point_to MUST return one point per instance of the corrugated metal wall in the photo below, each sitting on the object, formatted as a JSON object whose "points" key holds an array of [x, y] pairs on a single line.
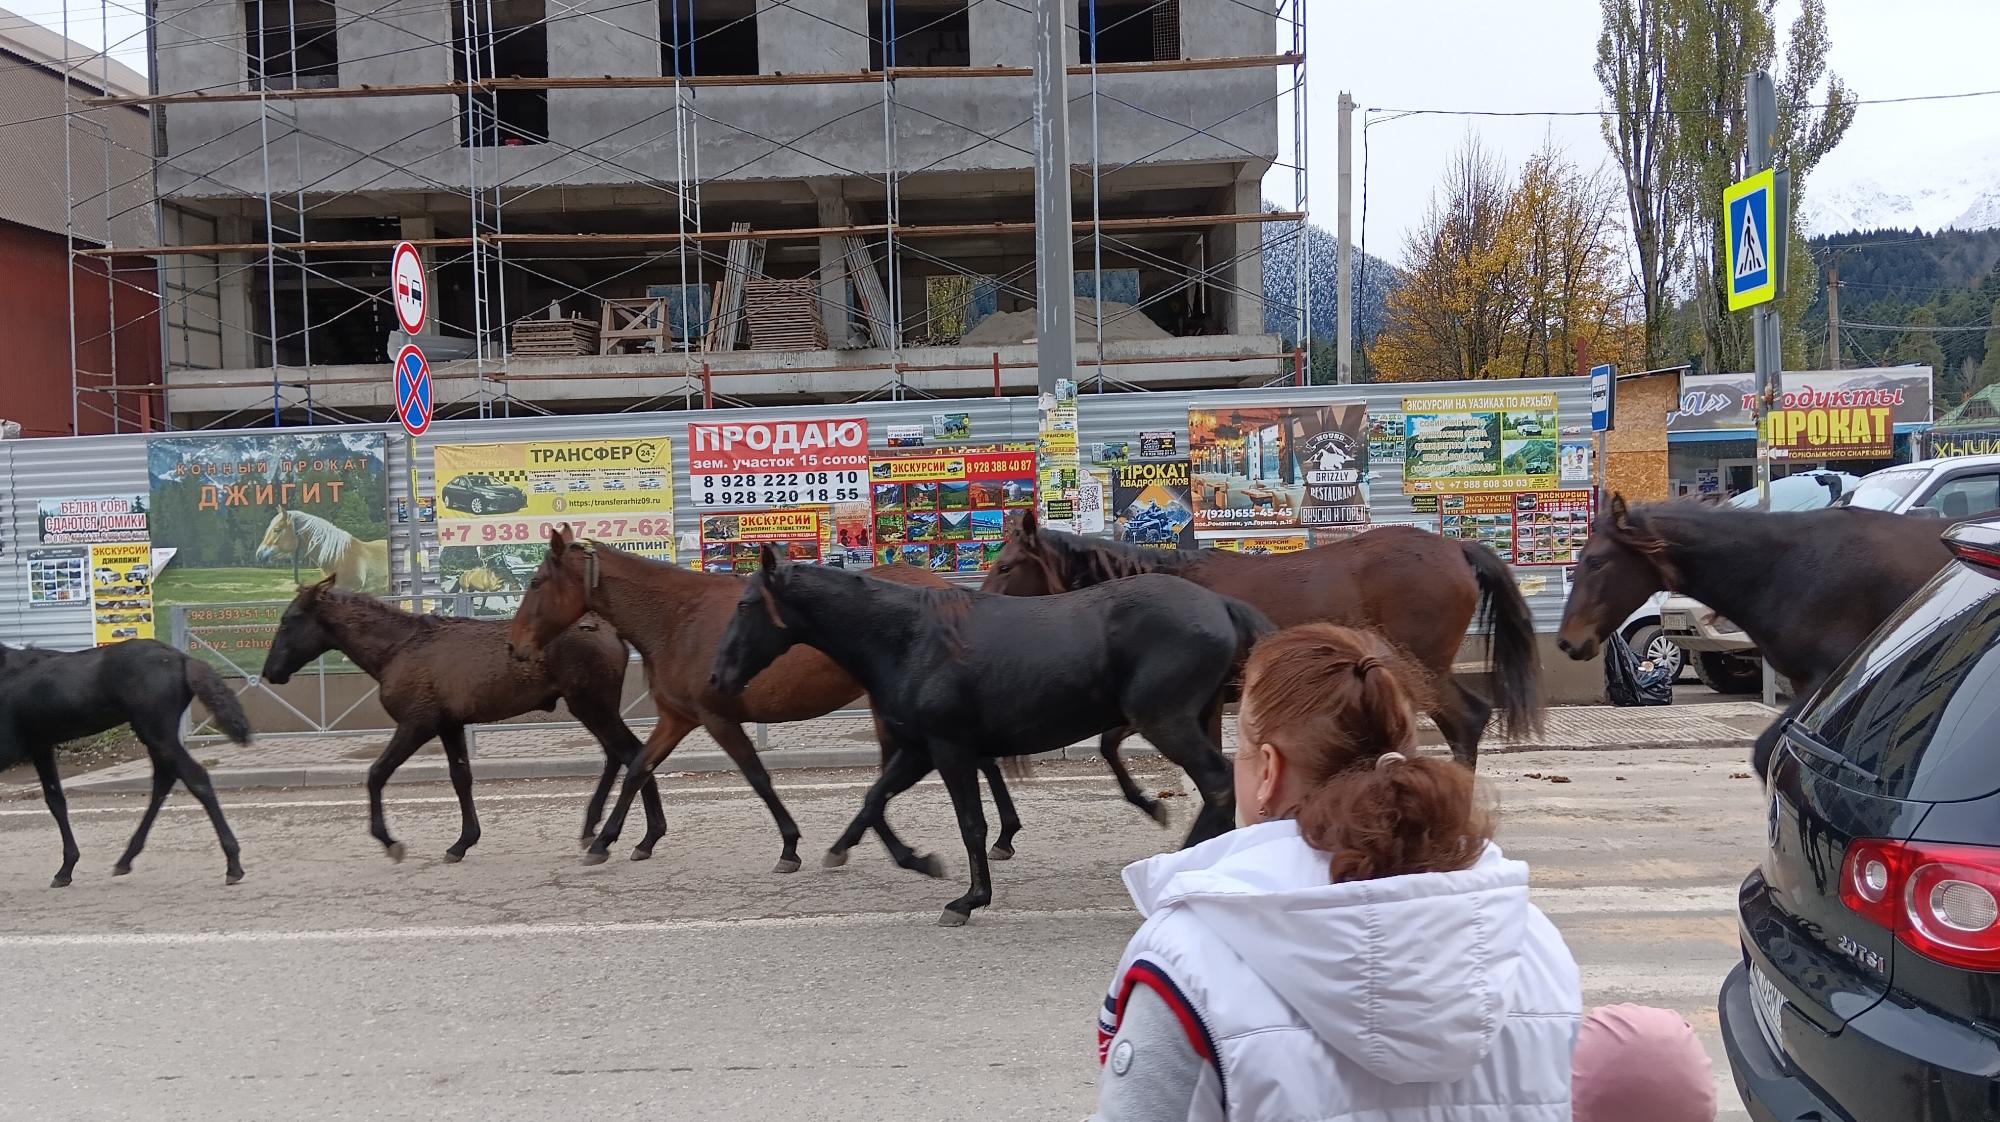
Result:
{"points": [[59, 468]]}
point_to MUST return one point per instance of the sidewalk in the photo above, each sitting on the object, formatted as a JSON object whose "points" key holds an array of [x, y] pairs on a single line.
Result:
{"points": [[507, 752]]}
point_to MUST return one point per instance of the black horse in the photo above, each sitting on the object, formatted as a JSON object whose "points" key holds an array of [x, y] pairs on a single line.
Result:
{"points": [[48, 697], [958, 676], [1806, 587]]}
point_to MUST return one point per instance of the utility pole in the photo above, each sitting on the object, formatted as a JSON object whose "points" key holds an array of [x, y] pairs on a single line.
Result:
{"points": [[1760, 100], [1055, 284], [1343, 256], [1833, 312]]}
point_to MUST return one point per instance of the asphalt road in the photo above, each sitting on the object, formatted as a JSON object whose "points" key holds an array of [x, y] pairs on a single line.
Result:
{"points": [[522, 985]]}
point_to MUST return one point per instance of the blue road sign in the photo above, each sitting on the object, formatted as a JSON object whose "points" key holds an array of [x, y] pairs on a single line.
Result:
{"points": [[413, 390], [1748, 252], [1603, 385]]}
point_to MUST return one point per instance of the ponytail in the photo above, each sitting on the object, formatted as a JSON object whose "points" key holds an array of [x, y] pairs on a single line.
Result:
{"points": [[1341, 705]]}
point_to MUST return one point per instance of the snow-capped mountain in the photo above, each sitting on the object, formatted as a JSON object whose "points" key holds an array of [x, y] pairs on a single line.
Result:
{"points": [[1967, 198]]}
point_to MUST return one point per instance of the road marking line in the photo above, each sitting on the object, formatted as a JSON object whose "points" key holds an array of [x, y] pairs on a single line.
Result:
{"points": [[1554, 901]]}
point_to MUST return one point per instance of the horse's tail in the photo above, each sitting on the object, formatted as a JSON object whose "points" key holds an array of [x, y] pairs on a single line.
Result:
{"points": [[1251, 625], [220, 699], [1017, 767], [1510, 642]]}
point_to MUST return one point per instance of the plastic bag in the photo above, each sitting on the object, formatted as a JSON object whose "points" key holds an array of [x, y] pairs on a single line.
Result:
{"points": [[1629, 681]]}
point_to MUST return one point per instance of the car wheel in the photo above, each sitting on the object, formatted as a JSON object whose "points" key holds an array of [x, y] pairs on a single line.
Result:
{"points": [[1728, 673], [1651, 642], [478, 506]]}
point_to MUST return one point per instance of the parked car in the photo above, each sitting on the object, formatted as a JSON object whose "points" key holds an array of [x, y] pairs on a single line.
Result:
{"points": [[482, 494], [1952, 489], [1722, 656], [1870, 931], [649, 483], [614, 484]]}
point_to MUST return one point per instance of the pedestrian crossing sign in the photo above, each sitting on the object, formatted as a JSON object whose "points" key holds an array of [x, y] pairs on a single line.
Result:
{"points": [[1747, 232]]}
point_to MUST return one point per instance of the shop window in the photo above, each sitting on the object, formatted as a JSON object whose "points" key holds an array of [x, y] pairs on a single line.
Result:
{"points": [[291, 44], [512, 43], [926, 32], [708, 37], [1141, 31]]}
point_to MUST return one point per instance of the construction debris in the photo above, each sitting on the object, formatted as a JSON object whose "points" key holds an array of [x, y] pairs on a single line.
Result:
{"points": [[558, 336], [1122, 323], [783, 315]]}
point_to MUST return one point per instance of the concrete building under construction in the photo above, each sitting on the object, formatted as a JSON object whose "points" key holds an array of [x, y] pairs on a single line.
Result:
{"points": [[645, 205]]}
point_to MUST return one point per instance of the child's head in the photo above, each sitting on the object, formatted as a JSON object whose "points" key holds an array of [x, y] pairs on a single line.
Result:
{"points": [[1327, 734]]}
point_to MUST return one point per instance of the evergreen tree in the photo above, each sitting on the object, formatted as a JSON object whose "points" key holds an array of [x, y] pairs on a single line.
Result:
{"points": [[1989, 370]]}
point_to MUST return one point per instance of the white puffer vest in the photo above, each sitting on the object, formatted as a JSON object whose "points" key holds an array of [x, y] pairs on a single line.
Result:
{"points": [[1439, 996]]}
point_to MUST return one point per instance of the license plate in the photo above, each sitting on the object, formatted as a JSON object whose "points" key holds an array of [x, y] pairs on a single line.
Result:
{"points": [[1770, 1007]]}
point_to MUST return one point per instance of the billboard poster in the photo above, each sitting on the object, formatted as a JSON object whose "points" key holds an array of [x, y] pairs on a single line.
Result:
{"points": [[1059, 461], [1848, 414], [1385, 438], [1150, 505], [736, 464], [731, 543], [1466, 443], [56, 577], [618, 491], [848, 536], [1962, 442], [1524, 528], [1576, 461], [121, 592], [1279, 467], [947, 509], [101, 518], [1262, 545]]}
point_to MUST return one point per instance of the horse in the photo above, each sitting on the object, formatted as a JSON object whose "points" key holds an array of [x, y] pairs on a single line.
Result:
{"points": [[1806, 587], [1416, 589], [439, 675], [49, 697], [675, 618], [312, 540], [481, 579], [958, 676]]}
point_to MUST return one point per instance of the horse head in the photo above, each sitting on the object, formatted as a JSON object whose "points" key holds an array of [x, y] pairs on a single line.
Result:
{"points": [[302, 634], [759, 630], [1028, 564], [281, 538], [1622, 564], [557, 596]]}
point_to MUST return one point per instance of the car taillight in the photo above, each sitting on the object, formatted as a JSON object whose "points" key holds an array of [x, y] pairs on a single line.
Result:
{"points": [[1976, 554], [1942, 901]]}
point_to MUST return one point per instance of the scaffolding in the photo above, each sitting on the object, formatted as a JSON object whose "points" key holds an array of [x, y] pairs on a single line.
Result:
{"points": [[277, 196]]}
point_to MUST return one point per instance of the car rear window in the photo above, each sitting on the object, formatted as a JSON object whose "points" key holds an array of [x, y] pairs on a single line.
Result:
{"points": [[1918, 707]]}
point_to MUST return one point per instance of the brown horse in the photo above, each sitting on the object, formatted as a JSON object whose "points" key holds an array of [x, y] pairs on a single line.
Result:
{"points": [[1806, 587], [1416, 589], [439, 675], [675, 618]]}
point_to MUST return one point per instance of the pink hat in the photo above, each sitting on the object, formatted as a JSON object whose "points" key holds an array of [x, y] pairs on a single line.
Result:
{"points": [[1639, 1064]]}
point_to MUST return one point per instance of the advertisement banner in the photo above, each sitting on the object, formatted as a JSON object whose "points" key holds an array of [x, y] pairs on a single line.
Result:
{"points": [[121, 592], [1150, 505], [1058, 462], [56, 577], [847, 539], [1279, 467], [947, 509], [1385, 439], [777, 463], [103, 518], [1576, 461], [1465, 443], [1262, 544], [251, 517], [1524, 528], [1831, 413], [731, 543], [1962, 442]]}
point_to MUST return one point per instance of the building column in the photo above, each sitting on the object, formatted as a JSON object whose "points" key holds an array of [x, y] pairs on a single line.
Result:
{"points": [[833, 280], [236, 304], [1236, 251]]}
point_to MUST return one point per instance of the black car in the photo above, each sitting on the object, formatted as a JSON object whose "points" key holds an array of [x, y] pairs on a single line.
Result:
{"points": [[480, 494], [1870, 986]]}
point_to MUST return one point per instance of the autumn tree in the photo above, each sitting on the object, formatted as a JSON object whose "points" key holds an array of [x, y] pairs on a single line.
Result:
{"points": [[1989, 368]]}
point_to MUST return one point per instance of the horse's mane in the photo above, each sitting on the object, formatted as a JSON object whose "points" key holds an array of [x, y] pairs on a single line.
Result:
{"points": [[322, 539], [1641, 533], [1087, 561], [379, 610]]}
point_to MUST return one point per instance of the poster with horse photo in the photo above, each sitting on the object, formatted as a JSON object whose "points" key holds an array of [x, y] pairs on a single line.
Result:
{"points": [[1268, 467], [251, 517]]}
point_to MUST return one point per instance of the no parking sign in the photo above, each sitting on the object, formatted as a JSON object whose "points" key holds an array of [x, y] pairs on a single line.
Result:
{"points": [[413, 390]]}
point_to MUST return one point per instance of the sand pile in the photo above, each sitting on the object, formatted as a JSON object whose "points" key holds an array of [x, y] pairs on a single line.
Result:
{"points": [[1122, 323]]}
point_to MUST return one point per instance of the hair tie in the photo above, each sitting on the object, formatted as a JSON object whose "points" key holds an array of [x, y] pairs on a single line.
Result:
{"points": [[1364, 665], [1387, 758]]}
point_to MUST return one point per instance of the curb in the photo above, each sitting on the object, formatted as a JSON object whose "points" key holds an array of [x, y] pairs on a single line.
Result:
{"points": [[580, 766]]}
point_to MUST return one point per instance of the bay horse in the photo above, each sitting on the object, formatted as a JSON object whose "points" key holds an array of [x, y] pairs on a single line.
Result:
{"points": [[309, 539], [49, 697], [956, 677], [675, 619], [438, 675], [1806, 587], [1416, 589]]}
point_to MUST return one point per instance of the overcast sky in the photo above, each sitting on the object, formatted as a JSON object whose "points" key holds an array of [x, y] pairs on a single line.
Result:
{"points": [[1462, 54]]}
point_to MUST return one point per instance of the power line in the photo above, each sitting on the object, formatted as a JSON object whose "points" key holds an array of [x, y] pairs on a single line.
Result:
{"points": [[1912, 327], [1397, 114]]}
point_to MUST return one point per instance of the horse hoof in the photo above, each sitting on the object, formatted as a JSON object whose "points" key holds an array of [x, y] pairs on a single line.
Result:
{"points": [[931, 866], [595, 858], [59, 882], [584, 841], [233, 878], [952, 919], [1157, 811], [786, 865], [453, 856], [834, 859], [121, 870], [396, 852], [1001, 853], [642, 853]]}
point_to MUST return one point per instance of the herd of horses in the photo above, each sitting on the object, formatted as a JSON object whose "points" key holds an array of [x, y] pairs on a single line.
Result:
{"points": [[1068, 637]]}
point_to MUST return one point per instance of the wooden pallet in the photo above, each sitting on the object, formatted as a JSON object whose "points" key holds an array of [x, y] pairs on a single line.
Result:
{"points": [[640, 325], [559, 338], [783, 315]]}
